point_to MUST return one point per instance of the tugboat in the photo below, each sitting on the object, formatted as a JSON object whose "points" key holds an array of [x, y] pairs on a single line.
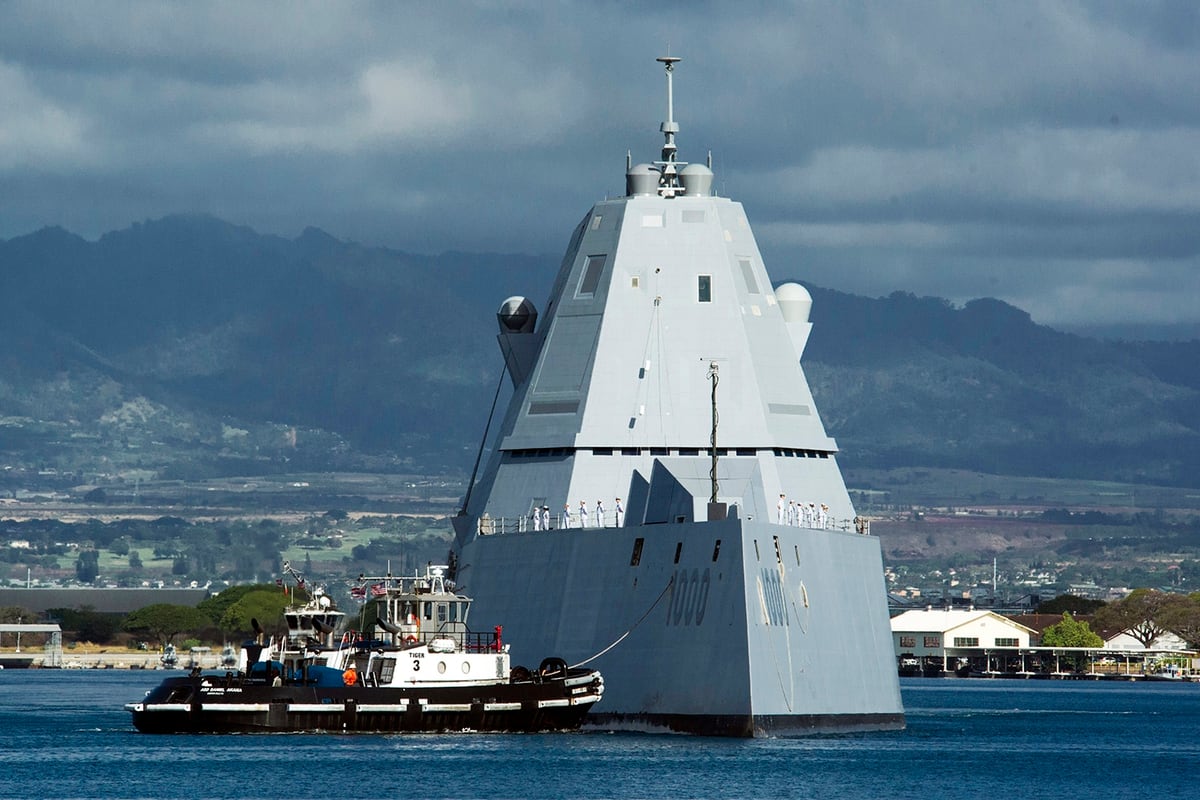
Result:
{"points": [[416, 667]]}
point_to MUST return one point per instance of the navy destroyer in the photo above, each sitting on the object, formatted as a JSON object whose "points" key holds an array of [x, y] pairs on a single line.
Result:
{"points": [[662, 500]]}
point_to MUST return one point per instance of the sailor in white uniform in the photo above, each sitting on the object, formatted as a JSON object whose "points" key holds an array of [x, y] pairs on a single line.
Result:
{"points": [[566, 516], [537, 518], [583, 514], [599, 513], [545, 518], [791, 514], [620, 512], [779, 511]]}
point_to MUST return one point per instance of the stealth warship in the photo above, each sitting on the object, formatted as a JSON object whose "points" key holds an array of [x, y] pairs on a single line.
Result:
{"points": [[662, 501]]}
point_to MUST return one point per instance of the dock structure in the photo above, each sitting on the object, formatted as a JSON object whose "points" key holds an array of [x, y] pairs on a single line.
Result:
{"points": [[981, 643], [48, 655]]}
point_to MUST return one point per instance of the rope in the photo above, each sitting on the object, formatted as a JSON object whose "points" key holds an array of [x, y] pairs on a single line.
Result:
{"points": [[482, 444], [623, 636]]}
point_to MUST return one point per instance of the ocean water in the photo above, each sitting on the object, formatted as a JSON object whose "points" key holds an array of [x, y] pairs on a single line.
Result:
{"points": [[64, 734]]}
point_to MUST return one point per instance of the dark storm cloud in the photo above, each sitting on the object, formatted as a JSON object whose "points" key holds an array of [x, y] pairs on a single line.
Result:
{"points": [[1041, 153]]}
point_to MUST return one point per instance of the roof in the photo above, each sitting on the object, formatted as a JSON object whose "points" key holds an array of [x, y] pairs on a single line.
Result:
{"points": [[943, 620], [105, 601], [31, 628]]}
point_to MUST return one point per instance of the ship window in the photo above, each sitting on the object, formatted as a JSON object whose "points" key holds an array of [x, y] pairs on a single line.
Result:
{"points": [[689, 451], [748, 275], [631, 451], [596, 220], [659, 451], [387, 670], [636, 558], [716, 550], [746, 451], [602, 451], [678, 551], [704, 288], [591, 276], [635, 282], [778, 553]]}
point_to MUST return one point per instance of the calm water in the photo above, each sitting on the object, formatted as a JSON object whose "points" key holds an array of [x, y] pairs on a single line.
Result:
{"points": [[64, 734]]}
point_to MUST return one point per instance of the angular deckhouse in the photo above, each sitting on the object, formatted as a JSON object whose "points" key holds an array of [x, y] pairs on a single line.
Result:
{"points": [[664, 502]]}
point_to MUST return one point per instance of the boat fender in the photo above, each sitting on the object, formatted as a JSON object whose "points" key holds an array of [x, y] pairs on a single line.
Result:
{"points": [[350, 677]]}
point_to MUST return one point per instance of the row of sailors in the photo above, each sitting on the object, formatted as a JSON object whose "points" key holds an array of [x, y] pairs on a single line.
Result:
{"points": [[581, 519], [802, 515]]}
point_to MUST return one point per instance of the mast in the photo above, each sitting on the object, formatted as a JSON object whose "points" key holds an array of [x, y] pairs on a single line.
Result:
{"points": [[669, 183]]}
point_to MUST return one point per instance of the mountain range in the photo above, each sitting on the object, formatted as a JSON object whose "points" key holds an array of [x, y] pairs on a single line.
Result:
{"points": [[190, 346]]}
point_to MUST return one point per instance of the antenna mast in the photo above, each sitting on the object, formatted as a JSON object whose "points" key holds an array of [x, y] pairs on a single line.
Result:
{"points": [[669, 184]]}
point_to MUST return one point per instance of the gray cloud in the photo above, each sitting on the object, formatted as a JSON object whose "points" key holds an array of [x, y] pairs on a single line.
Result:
{"points": [[1040, 153]]}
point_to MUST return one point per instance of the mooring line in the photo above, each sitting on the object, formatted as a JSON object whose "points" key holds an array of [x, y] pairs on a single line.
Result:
{"points": [[621, 638]]}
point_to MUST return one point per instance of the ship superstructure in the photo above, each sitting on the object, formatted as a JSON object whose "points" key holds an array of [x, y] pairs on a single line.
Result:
{"points": [[663, 497]]}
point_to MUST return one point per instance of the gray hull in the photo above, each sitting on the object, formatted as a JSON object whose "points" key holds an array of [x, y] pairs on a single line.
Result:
{"points": [[661, 382], [775, 631]]}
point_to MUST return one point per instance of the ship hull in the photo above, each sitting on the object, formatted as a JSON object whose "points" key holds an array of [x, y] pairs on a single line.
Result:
{"points": [[735, 627], [197, 705]]}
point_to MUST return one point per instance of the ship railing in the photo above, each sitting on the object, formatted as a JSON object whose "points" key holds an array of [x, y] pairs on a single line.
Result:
{"points": [[489, 525]]}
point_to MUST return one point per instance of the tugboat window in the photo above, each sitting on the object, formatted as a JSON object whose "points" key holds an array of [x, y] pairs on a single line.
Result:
{"points": [[704, 288]]}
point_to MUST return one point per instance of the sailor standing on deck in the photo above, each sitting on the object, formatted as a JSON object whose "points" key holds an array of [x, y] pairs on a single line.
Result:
{"points": [[537, 518], [620, 512], [545, 518], [565, 522], [779, 511], [583, 514], [599, 513]]}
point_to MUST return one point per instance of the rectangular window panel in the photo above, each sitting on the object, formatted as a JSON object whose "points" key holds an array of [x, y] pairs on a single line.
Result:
{"points": [[636, 558], [704, 288], [748, 275], [591, 276], [551, 407], [908, 641], [933, 641], [1006, 643], [693, 215]]}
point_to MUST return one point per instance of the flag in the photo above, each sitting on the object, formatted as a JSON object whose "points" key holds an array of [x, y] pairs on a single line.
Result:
{"points": [[359, 593], [379, 590]]}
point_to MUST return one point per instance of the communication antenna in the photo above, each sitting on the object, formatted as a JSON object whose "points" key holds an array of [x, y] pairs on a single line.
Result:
{"points": [[669, 185]]}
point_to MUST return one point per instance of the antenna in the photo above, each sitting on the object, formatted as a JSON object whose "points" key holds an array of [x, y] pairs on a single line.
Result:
{"points": [[669, 186]]}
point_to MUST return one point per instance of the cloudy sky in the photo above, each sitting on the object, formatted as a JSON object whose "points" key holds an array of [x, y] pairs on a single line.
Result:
{"points": [[1044, 153]]}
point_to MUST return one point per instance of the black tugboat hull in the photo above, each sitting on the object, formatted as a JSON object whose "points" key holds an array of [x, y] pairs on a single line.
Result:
{"points": [[187, 705]]}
